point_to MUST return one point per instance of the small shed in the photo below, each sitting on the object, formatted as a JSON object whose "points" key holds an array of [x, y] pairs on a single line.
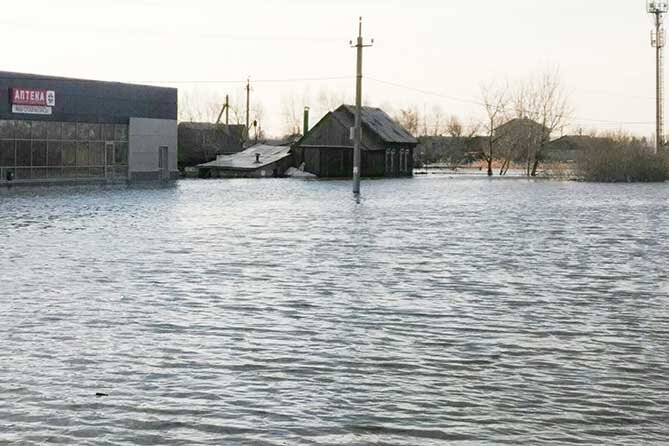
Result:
{"points": [[387, 149], [259, 161], [201, 142]]}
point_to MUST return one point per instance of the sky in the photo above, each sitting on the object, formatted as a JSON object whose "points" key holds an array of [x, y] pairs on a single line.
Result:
{"points": [[427, 54]]}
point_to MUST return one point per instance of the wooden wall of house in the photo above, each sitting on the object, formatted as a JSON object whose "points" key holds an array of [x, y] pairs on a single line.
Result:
{"points": [[332, 133], [312, 160], [329, 132]]}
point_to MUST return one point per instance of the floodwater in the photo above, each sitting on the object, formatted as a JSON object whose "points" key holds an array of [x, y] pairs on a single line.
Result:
{"points": [[438, 310]]}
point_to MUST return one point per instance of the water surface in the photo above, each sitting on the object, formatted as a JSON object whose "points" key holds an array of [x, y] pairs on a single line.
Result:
{"points": [[279, 312]]}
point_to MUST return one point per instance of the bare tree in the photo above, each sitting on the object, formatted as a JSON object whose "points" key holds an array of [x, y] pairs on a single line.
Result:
{"points": [[454, 127], [409, 120], [547, 104], [496, 102]]}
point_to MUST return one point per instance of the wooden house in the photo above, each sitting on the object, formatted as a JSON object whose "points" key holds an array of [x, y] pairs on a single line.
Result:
{"points": [[387, 148]]}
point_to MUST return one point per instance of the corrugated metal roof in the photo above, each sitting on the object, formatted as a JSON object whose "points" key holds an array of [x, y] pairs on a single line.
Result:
{"points": [[246, 160], [383, 125]]}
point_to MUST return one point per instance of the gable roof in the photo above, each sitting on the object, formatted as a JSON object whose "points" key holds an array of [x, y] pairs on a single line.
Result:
{"points": [[378, 121]]}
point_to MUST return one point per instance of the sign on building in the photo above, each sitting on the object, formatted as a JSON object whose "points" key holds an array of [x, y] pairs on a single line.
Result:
{"points": [[32, 101]]}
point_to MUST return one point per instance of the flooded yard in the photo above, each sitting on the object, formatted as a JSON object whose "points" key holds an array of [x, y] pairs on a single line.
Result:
{"points": [[438, 310]]}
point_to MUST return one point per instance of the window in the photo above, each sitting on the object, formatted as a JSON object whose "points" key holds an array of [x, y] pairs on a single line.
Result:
{"points": [[38, 130], [97, 153], [39, 154], [54, 154], [22, 129], [23, 153], [82, 154], [69, 130], [108, 132], [50, 149], [54, 130], [121, 154], [8, 153], [121, 132], [7, 129], [69, 153]]}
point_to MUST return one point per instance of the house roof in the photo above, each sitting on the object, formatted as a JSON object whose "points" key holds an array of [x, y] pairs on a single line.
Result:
{"points": [[378, 121], [246, 160]]}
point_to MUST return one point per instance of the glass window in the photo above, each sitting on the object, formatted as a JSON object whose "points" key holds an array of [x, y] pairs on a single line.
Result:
{"points": [[22, 173], [69, 130], [54, 130], [94, 132], [82, 154], [82, 131], [108, 132], [39, 130], [97, 153], [97, 172], [121, 157], [121, 132], [70, 172], [54, 154], [69, 153], [55, 172], [38, 173], [7, 153], [7, 129], [23, 152], [39, 154], [22, 129]]}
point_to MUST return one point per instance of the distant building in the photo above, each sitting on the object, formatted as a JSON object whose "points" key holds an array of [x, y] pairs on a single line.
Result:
{"points": [[259, 161], [568, 148], [201, 142], [55, 130], [327, 149]]}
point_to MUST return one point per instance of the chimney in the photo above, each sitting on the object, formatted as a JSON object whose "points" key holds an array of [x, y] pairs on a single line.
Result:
{"points": [[306, 120]]}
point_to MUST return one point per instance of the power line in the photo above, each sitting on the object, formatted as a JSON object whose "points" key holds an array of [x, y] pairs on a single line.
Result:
{"points": [[479, 103], [264, 81]]}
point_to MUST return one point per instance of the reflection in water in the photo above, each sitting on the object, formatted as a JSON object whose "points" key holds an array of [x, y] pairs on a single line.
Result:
{"points": [[434, 311]]}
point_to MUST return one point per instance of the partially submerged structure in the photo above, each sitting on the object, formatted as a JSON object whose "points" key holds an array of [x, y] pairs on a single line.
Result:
{"points": [[259, 161], [201, 142], [55, 130], [327, 149]]}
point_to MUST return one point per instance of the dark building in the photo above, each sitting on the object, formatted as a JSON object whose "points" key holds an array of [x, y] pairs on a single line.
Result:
{"points": [[327, 149], [201, 142], [55, 129]]}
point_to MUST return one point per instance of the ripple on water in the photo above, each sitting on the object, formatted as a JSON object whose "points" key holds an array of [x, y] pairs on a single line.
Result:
{"points": [[436, 311]]}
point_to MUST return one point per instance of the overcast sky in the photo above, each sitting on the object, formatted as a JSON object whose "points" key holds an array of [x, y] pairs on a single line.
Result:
{"points": [[444, 48]]}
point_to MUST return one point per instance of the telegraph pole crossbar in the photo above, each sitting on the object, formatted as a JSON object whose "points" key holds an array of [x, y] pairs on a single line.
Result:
{"points": [[357, 131]]}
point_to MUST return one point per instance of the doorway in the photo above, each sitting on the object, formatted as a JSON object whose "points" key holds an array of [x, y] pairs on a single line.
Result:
{"points": [[163, 163]]}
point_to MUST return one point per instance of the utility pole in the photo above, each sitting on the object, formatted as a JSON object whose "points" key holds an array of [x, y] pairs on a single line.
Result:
{"points": [[357, 135], [248, 107], [227, 109], [658, 9]]}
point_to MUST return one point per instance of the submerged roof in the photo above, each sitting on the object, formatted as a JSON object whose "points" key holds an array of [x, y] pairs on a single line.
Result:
{"points": [[380, 123], [246, 160]]}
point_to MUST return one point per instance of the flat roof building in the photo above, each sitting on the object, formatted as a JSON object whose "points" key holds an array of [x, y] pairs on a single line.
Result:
{"points": [[55, 129]]}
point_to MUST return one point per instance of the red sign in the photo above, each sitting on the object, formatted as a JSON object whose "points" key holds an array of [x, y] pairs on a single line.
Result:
{"points": [[28, 96]]}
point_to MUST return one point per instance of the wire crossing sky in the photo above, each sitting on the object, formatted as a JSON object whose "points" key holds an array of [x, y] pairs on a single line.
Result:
{"points": [[427, 53]]}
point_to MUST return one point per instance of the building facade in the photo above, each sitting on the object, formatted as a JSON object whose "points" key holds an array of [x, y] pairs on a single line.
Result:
{"points": [[387, 149], [55, 130]]}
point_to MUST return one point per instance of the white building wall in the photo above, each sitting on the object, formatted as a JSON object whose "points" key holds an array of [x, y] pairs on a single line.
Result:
{"points": [[146, 136]]}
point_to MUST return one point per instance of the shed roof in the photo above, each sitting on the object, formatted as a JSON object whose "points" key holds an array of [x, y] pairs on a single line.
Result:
{"points": [[246, 160], [380, 123]]}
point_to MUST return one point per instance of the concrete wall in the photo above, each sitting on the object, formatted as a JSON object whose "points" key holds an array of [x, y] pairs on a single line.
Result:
{"points": [[146, 136]]}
